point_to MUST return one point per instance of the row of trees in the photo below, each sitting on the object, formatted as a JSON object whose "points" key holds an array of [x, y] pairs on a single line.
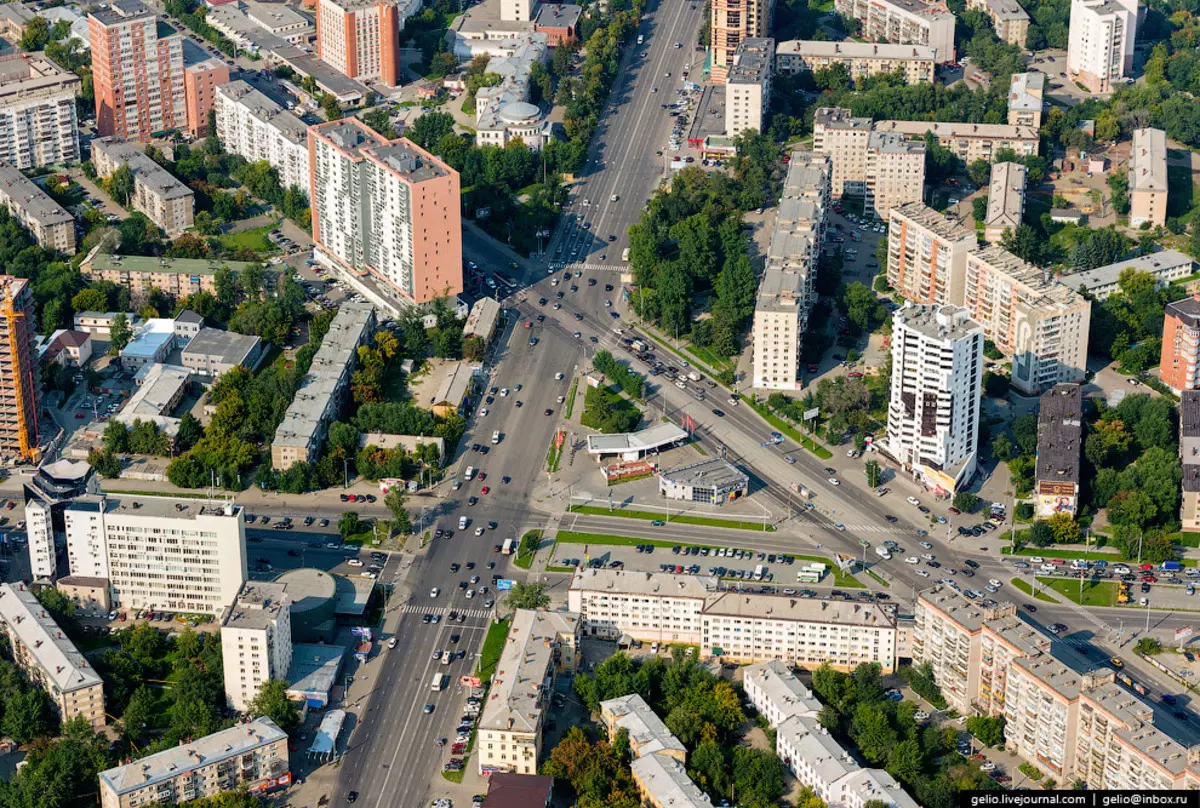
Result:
{"points": [[632, 382], [1127, 326]]}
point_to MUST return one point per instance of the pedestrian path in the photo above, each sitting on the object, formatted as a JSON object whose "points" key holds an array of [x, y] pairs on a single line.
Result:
{"points": [[413, 608]]}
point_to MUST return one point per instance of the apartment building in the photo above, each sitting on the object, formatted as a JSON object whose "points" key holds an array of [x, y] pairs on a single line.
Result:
{"points": [[777, 693], [50, 225], [933, 416], [1107, 713], [19, 396], [158, 552], [46, 494], [663, 782], [1002, 641], [1006, 200], [969, 141], [1100, 43], [861, 59], [1060, 439], [540, 646], [518, 10], [905, 22], [1042, 711], [748, 85], [177, 277], [946, 634], [1148, 178], [1165, 266], [927, 255], [656, 607], [843, 139], [322, 392], [156, 192], [648, 735], [39, 125], [256, 641], [200, 83], [1040, 324], [1189, 451], [137, 70], [786, 291], [1026, 97], [385, 208], [895, 172], [50, 660], [1179, 363], [252, 125], [253, 755], [360, 38], [1008, 18], [731, 22]]}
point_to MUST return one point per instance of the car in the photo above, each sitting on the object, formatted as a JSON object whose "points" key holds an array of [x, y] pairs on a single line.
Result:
{"points": [[428, 709], [891, 519], [485, 490], [1029, 607], [354, 562], [658, 523], [834, 481], [972, 564], [352, 796], [791, 460], [912, 560], [995, 582], [433, 593]]}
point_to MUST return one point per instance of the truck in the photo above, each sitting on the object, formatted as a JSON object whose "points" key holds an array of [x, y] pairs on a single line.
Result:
{"points": [[439, 682], [1171, 566], [639, 345], [802, 490], [694, 376], [507, 547]]}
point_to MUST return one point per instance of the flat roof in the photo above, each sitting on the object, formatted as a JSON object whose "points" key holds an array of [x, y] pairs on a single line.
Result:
{"points": [[309, 588], [1008, 10], [1156, 745], [226, 346], [1025, 91], [817, 48], [1148, 161], [782, 687], [328, 79], [314, 668], [264, 109], [167, 765], [964, 612], [276, 16], [159, 386], [710, 115], [26, 75], [1021, 273], [1060, 425], [933, 9], [558, 15], [353, 593], [515, 700], [666, 782], [1023, 636], [962, 131], [1053, 674], [894, 143], [629, 582], [752, 61], [928, 218], [839, 118], [937, 322], [30, 200], [405, 159], [711, 471], [651, 437], [646, 730], [258, 605], [120, 11], [1157, 264], [150, 506], [1119, 703], [1189, 438], [60, 661]]}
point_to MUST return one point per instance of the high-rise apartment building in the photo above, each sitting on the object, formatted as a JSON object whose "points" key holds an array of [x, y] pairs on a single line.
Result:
{"points": [[47, 494], [1039, 323], [905, 22], [159, 553], [1006, 200], [18, 371], [137, 68], [731, 22], [39, 125], [843, 139], [1008, 18], [360, 38], [1025, 99], [256, 641], [933, 416], [200, 83], [861, 59], [1179, 364], [1148, 178], [748, 85], [46, 220], [927, 255], [786, 292], [895, 173], [1100, 42], [387, 208], [252, 125], [1189, 456], [1060, 439]]}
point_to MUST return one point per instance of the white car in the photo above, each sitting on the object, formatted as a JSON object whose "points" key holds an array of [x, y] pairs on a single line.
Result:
{"points": [[996, 583], [558, 377], [914, 501], [433, 593], [834, 481], [479, 531], [470, 594], [921, 715], [1040, 560], [923, 573], [503, 392], [851, 453], [927, 556], [367, 574], [354, 562], [927, 545], [912, 560], [392, 643], [483, 412], [987, 766]]}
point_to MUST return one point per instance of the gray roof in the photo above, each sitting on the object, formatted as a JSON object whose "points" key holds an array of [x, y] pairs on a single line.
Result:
{"points": [[1025, 91], [1006, 195], [711, 471], [666, 782], [782, 687], [558, 15], [122, 11], [1156, 264], [404, 158], [328, 79], [60, 661], [848, 49], [1059, 434], [928, 218], [1189, 438], [839, 118], [1187, 310], [944, 322], [647, 732], [266, 110], [650, 584], [314, 667], [189, 316], [1008, 10], [894, 143], [145, 171], [515, 700], [1148, 161], [820, 750], [29, 199], [752, 61], [28, 75], [258, 605], [226, 347], [651, 437]]}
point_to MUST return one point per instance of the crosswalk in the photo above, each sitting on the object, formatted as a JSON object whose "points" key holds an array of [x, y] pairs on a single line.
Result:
{"points": [[413, 608], [590, 267], [895, 531]]}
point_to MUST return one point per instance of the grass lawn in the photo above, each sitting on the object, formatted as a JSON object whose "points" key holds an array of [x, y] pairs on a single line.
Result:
{"points": [[878, 580], [553, 458], [251, 239], [1021, 585], [493, 645], [1052, 552], [525, 560], [1095, 593], [576, 537], [733, 524], [842, 579], [790, 431], [708, 357], [570, 407]]}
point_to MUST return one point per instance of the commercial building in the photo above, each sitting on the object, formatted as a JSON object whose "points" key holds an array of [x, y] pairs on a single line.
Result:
{"points": [[50, 225], [1100, 43], [732, 22], [19, 396], [1060, 439], [895, 172], [1189, 455], [1041, 325], [177, 277], [503, 112], [904, 22], [713, 481], [252, 125], [1165, 266], [1008, 18], [1148, 178], [323, 389], [212, 352], [361, 38], [634, 445], [927, 255], [648, 735], [100, 322], [200, 83], [152, 341], [969, 141], [933, 416], [165, 200], [50, 660], [843, 139], [540, 645], [777, 693], [157, 552], [748, 85], [1006, 200], [861, 59], [386, 208], [253, 755], [1179, 364], [39, 125], [137, 69], [482, 320], [1026, 98], [559, 22], [786, 291], [47, 493], [256, 641]]}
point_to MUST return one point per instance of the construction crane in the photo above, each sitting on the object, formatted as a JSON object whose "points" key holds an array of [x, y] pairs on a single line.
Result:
{"points": [[17, 332]]}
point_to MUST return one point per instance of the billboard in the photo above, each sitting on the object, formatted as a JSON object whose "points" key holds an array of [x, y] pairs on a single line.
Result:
{"points": [[1182, 634], [504, 584], [1055, 497]]}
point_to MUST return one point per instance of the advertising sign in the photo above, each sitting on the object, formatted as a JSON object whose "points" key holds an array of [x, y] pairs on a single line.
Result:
{"points": [[1182, 634], [504, 584], [1053, 497]]}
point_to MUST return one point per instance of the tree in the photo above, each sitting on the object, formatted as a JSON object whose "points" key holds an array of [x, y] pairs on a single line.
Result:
{"points": [[1024, 242], [979, 206], [874, 473], [105, 463], [332, 107], [860, 304], [27, 716], [120, 185], [190, 432], [1002, 447], [90, 300], [871, 732], [36, 36], [272, 701], [116, 437], [966, 502], [527, 596], [1024, 429], [349, 524], [1040, 534], [120, 333], [1064, 528], [988, 729], [980, 172]]}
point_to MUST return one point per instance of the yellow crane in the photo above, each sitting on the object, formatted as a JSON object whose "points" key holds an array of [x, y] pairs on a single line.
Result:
{"points": [[17, 327]]}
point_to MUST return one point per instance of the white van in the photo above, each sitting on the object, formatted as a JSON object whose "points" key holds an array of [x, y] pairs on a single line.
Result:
{"points": [[758, 572], [883, 552], [439, 682], [1048, 568], [495, 437], [462, 522], [469, 474]]}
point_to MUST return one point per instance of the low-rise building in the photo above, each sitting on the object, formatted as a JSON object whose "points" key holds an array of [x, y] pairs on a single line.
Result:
{"points": [[1060, 439], [177, 277], [503, 112], [905, 22], [48, 658], [68, 348], [282, 21], [648, 735], [713, 481], [152, 341], [861, 59], [1008, 18], [187, 326], [777, 693], [1189, 451], [253, 755], [559, 22], [256, 641], [815, 757], [50, 225], [482, 320], [1148, 178], [663, 782], [1006, 200], [927, 255], [213, 352], [159, 389], [90, 595], [748, 85], [1165, 266], [895, 173], [1026, 97], [165, 200], [540, 645], [100, 323]]}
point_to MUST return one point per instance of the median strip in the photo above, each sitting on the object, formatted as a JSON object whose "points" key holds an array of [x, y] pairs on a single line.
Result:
{"points": [[685, 519]]}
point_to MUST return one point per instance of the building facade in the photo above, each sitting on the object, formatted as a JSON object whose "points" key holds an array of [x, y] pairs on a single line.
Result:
{"points": [[1164, 267], [50, 225], [969, 141], [1179, 364], [39, 125], [137, 70], [748, 85], [1148, 178], [861, 59], [252, 125], [904, 22], [777, 693], [895, 173], [256, 641], [360, 38], [843, 139], [156, 192], [200, 83], [1026, 97], [1008, 18], [1189, 455], [927, 255], [177, 277], [713, 481], [1100, 43], [1006, 200], [19, 398], [731, 22], [648, 735]]}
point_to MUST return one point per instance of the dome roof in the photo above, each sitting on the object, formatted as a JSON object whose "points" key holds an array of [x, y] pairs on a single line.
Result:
{"points": [[519, 112]]}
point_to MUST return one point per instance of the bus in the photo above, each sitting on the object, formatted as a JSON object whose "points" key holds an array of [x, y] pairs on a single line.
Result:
{"points": [[507, 548]]}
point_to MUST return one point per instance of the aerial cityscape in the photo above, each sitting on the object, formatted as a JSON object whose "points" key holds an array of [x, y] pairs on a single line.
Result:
{"points": [[668, 403]]}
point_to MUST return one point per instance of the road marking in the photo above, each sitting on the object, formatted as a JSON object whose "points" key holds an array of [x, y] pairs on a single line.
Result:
{"points": [[413, 608]]}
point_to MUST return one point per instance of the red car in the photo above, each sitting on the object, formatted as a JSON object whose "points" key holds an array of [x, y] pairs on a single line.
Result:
{"points": [[79, 415], [1146, 567], [482, 476], [1149, 579], [484, 490], [955, 511]]}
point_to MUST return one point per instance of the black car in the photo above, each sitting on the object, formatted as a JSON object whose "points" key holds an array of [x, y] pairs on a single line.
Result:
{"points": [[352, 796], [474, 447], [453, 567], [1029, 607], [719, 413], [484, 449], [472, 500], [549, 411], [608, 287], [891, 518], [591, 281], [541, 301], [972, 564], [578, 316]]}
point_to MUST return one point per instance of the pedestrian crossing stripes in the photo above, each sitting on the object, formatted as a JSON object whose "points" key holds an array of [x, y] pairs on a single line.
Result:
{"points": [[895, 531], [413, 608], [590, 267]]}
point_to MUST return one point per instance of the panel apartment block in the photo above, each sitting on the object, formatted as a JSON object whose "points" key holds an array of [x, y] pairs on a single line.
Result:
{"points": [[895, 173], [50, 225], [927, 255], [748, 85], [904, 22], [360, 38], [1008, 18], [861, 59], [19, 396], [256, 641], [252, 125], [1100, 43], [843, 139], [733, 21], [200, 83], [969, 141], [39, 125]]}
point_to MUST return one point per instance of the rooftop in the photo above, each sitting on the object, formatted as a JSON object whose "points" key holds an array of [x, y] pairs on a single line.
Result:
{"points": [[224, 745], [1051, 673], [1006, 195], [1157, 264], [339, 84], [839, 118], [934, 9], [120, 11], [266, 110], [152, 400], [627, 582], [32, 75], [807, 610], [314, 667], [350, 135], [482, 319], [651, 437], [153, 507], [1026, 90], [877, 785], [511, 790], [782, 687], [666, 782], [709, 118], [1037, 282], [813, 48], [1023, 636], [809, 741], [1189, 438], [1120, 703], [647, 733], [710, 472], [276, 16], [309, 588], [752, 61], [894, 143], [29, 199], [558, 15], [1008, 10], [1059, 434], [145, 171], [967, 614], [60, 661], [407, 160], [936, 223], [515, 700], [258, 605], [227, 347], [961, 131], [945, 322], [1148, 161]]}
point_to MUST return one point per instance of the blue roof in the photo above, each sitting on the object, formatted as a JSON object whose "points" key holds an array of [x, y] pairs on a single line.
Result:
{"points": [[147, 344]]}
